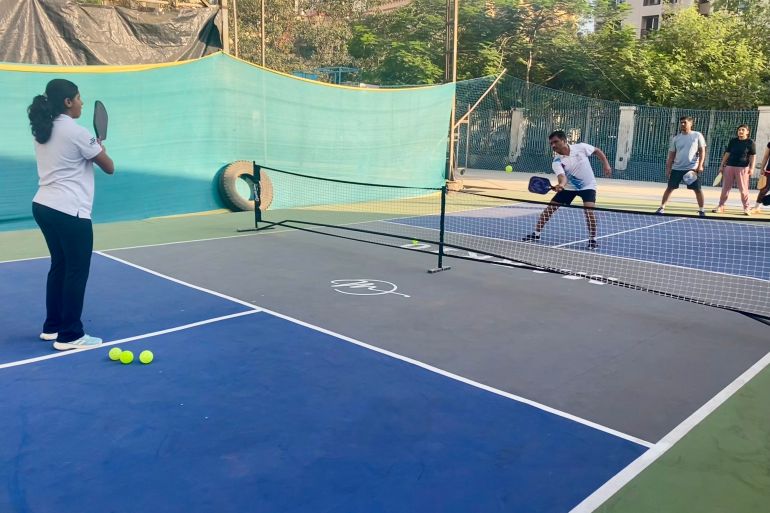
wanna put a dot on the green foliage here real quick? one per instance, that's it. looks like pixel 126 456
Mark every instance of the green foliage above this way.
pixel 299 36
pixel 405 46
pixel 719 61
pixel 702 62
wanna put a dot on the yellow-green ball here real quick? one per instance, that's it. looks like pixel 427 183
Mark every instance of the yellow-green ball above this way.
pixel 146 356
pixel 115 354
pixel 509 169
pixel 126 357
pixel 415 241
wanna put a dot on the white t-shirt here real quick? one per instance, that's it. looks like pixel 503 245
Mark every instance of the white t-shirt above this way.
pixel 65 168
pixel 577 167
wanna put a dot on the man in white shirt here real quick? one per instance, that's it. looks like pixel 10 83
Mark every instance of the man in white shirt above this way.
pixel 575 178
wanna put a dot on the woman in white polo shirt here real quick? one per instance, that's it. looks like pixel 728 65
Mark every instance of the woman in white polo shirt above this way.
pixel 65 154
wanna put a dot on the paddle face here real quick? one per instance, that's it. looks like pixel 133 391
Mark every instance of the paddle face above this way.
pixel 762 182
pixel 100 121
pixel 539 185
pixel 717 180
pixel 689 177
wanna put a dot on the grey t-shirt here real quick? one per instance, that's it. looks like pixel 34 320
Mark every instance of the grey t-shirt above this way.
pixel 686 148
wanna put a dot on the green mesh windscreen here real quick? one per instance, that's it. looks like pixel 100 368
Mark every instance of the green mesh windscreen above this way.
pixel 173 127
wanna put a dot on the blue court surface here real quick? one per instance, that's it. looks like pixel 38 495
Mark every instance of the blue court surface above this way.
pixel 121 301
pixel 716 246
pixel 255 412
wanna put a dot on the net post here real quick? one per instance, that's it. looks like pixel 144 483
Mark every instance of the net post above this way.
pixel 440 267
pixel 256 189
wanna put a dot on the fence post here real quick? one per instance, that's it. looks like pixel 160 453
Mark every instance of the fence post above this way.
pixel 586 135
pixel 710 129
pixel 518 129
pixel 762 135
pixel 625 141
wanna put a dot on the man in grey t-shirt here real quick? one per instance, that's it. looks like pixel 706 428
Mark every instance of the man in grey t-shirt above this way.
pixel 687 152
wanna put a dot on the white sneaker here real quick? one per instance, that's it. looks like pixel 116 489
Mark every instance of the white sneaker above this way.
pixel 81 343
pixel 48 336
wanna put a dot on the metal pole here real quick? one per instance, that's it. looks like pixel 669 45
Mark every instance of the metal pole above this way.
pixel 225 29
pixel 235 25
pixel 262 31
pixel 452 163
pixel 467 114
pixel 454 42
pixel 467 138
pixel 441 235
pixel 448 43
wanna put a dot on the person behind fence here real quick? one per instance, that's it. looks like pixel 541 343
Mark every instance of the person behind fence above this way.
pixel 65 154
pixel 765 167
pixel 575 178
pixel 686 152
pixel 736 168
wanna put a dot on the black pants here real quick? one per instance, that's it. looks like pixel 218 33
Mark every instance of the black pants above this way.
pixel 70 241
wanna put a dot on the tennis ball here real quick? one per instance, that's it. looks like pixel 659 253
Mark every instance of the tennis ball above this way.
pixel 509 168
pixel 126 357
pixel 115 353
pixel 146 356
pixel 415 241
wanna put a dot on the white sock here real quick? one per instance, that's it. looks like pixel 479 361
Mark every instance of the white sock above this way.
pixel 537 232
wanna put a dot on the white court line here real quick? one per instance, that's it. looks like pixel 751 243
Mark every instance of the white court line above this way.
pixel 621 232
pixel 611 487
pixel 70 352
pixel 563 247
pixel 417 363
pixel 287 229
pixel 180 282
pixel 465 380
pixel 23 259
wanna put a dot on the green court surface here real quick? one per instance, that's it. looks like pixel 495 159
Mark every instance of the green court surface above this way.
pixel 720 466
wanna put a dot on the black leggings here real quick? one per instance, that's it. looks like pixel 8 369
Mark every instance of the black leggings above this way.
pixel 70 241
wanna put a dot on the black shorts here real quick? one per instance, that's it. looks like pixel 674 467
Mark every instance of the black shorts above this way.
pixel 676 178
pixel 565 197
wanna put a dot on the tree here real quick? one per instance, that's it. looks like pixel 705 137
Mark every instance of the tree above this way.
pixel 516 34
pixel 544 33
pixel 702 62
pixel 405 46
pixel 600 60
pixel 300 35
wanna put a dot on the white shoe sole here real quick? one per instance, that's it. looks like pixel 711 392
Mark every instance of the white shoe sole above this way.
pixel 48 336
pixel 67 346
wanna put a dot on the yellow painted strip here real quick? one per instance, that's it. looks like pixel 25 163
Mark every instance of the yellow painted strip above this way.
pixel 54 68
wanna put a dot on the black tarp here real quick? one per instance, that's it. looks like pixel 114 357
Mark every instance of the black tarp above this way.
pixel 67 33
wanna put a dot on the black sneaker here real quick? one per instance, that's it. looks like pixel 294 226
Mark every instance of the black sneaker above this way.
pixel 592 244
pixel 532 237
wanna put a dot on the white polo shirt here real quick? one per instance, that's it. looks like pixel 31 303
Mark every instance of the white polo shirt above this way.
pixel 65 168
pixel 577 167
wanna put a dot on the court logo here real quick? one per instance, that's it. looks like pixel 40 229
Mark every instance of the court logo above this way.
pixel 365 287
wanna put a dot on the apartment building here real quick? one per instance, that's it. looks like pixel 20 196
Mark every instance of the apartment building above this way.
pixel 647 15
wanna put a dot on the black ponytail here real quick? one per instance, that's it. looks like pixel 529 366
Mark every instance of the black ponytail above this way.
pixel 45 108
